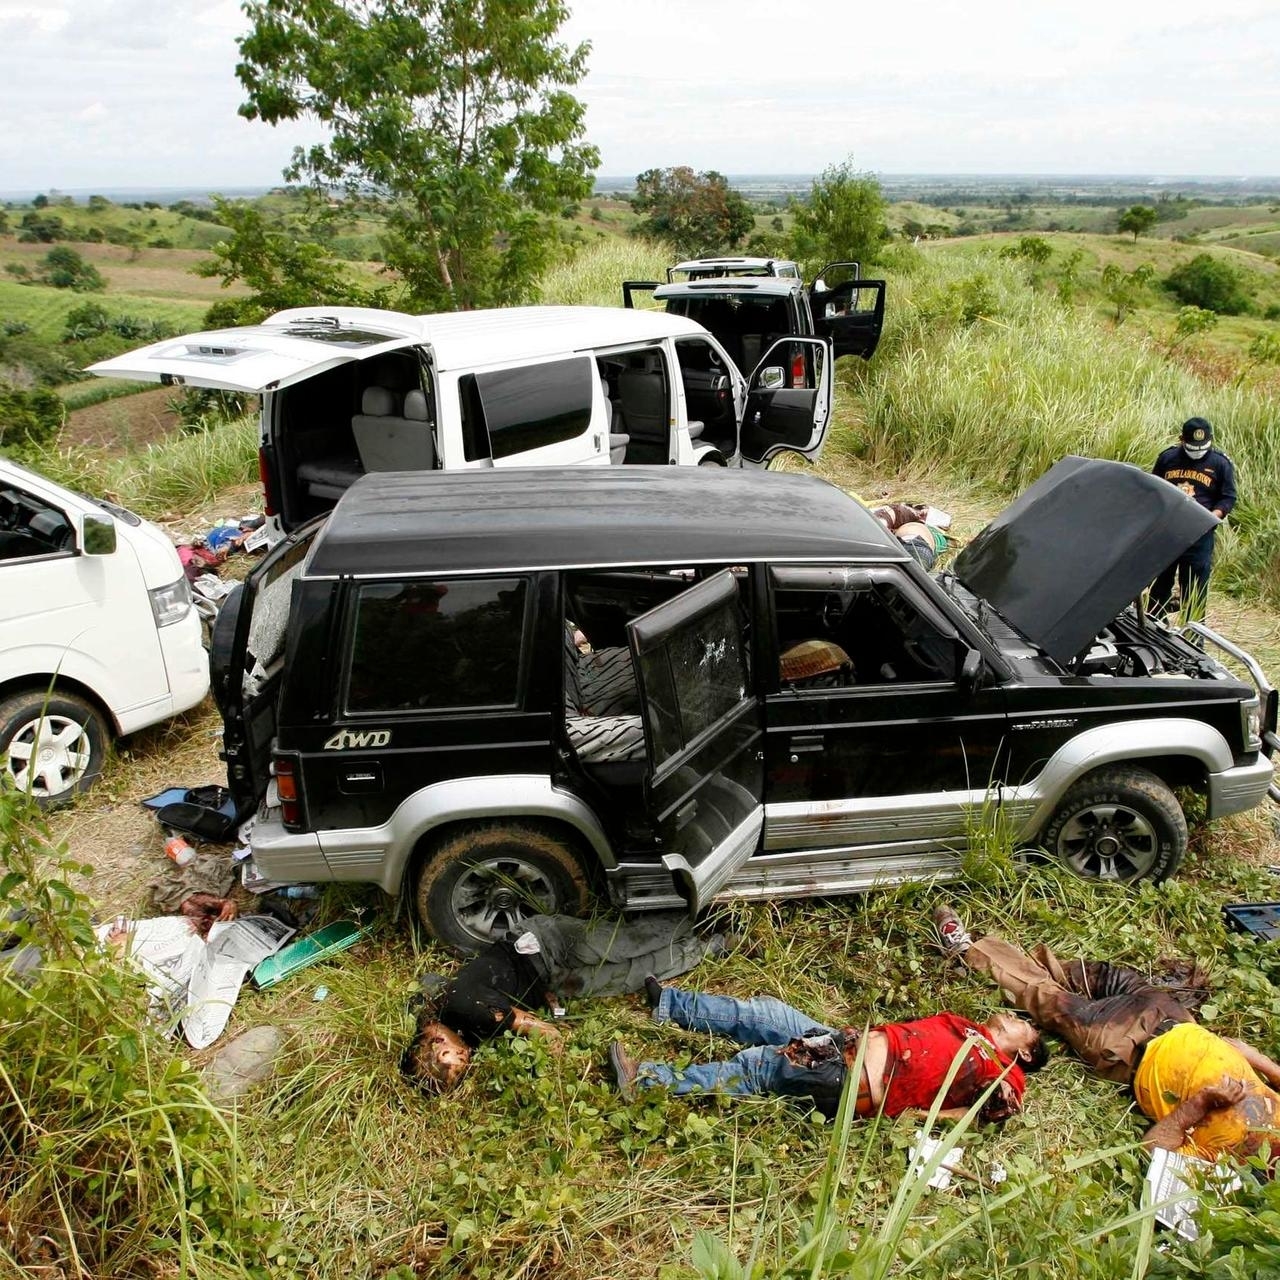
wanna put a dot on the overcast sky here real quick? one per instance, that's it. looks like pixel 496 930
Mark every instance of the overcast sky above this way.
pixel 111 93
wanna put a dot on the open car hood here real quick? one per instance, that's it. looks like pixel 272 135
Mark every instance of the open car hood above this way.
pixel 1075 548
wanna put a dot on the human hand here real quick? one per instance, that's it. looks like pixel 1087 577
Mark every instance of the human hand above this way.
pixel 1227 1093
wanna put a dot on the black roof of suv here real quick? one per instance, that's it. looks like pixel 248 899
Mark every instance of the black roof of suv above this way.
pixel 478 521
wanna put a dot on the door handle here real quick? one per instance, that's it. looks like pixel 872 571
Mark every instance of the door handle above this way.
pixel 806 744
pixel 686 814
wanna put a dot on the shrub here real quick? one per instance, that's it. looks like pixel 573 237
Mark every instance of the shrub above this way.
pixel 113 1161
pixel 28 418
pixel 85 321
pixel 64 268
pixel 1209 283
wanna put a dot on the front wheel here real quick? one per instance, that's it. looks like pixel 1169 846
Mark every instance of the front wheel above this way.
pixel 483 880
pixel 51 744
pixel 1118 824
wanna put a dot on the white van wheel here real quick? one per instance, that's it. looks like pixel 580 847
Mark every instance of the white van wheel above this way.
pixel 52 746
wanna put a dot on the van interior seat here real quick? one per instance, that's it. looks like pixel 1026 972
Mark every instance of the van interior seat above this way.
pixel 390 442
pixel 642 397
pixel 330 477
pixel 618 438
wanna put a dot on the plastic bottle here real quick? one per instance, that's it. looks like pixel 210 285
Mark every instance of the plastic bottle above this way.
pixel 178 850
pixel 300 891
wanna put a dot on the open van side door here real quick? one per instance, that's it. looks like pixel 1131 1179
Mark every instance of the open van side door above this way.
pixel 788 401
pixel 851 314
pixel 632 288
pixel 703 732
pixel 246 660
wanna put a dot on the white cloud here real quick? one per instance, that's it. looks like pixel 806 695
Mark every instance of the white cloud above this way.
pixel 100 92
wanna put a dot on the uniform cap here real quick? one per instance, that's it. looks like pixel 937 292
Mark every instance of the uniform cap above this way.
pixel 1197 431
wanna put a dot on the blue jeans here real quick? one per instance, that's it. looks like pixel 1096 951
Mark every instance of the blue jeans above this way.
pixel 763 1023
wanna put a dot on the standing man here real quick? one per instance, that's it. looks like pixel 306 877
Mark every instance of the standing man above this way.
pixel 1207 475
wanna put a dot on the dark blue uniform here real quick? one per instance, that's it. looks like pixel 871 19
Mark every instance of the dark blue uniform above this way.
pixel 1211 481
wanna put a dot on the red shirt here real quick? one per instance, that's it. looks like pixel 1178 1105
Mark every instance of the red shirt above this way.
pixel 920 1054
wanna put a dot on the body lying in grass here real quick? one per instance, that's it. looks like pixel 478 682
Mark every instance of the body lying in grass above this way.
pixel 549 961
pixel 904 1064
pixel 1206 1094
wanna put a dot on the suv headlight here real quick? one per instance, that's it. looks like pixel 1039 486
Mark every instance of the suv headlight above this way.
pixel 172 603
pixel 1251 722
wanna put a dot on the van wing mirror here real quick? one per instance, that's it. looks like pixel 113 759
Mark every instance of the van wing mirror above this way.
pixel 772 378
pixel 99 535
pixel 970 670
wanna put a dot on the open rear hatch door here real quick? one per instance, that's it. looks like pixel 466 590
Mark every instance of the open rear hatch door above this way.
pixel 703 732
pixel 638 295
pixel 289 348
pixel 246 661
pixel 788 401
pixel 1077 547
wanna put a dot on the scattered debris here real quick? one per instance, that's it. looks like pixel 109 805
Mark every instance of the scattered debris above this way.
pixel 327 942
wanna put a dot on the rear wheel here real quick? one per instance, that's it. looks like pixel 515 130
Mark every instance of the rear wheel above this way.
pixel 51 745
pixel 484 880
pixel 1118 824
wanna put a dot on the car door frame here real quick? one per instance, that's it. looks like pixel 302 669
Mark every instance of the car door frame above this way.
pixel 852 332
pixel 705 797
pixel 775 418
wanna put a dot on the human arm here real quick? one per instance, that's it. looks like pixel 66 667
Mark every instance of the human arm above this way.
pixel 1171 1132
pixel 525 1024
pixel 1266 1067
pixel 1226 500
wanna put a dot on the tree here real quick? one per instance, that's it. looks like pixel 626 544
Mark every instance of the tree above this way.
pixel 64 268
pixel 1138 218
pixel 455 112
pixel 281 269
pixel 1210 283
pixel 696 213
pixel 40 202
pixel 1124 289
pixel 1190 323
pixel 843 218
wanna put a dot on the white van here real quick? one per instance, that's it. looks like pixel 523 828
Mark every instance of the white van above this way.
pixel 97 633
pixel 350 390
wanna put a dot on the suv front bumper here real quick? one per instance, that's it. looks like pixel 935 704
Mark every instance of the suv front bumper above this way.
pixel 1235 790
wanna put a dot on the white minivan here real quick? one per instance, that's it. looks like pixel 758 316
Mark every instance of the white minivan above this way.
pixel 349 390
pixel 98 636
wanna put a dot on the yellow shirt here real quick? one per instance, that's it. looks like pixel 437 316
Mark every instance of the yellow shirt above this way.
pixel 1182 1061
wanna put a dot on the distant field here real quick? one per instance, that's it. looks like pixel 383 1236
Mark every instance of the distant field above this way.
pixel 153 273
pixel 45 309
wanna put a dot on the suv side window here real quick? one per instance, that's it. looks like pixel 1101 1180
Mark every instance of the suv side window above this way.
pixel 843 626
pixel 436 646
pixel 511 411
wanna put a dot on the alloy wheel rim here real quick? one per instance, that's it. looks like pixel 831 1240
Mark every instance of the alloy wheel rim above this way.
pixel 49 755
pixel 1109 842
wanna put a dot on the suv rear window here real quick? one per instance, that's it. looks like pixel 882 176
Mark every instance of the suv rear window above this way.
pixel 437 645
pixel 511 411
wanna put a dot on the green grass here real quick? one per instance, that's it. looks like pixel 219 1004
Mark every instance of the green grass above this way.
pixel 45 309
pixel 81 395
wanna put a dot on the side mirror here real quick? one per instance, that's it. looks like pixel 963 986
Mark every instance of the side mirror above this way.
pixel 99 535
pixel 772 378
pixel 971 670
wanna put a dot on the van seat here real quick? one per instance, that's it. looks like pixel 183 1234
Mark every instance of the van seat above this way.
pixel 642 397
pixel 388 442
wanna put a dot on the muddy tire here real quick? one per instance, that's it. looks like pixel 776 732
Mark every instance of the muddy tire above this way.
pixel 52 745
pixel 482 880
pixel 1118 824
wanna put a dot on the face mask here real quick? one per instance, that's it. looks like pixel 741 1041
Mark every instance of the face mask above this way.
pixel 1197 453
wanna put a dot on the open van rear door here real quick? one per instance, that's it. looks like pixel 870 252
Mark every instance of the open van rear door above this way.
pixel 788 401
pixel 264 357
pixel 702 723
pixel 245 662
pixel 851 314
pixel 630 290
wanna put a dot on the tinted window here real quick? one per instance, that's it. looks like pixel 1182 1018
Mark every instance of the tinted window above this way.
pixel 437 645
pixel 526 408
pixel 693 677
pixel 29 526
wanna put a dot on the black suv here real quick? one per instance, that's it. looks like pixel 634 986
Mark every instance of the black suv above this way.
pixel 749 313
pixel 503 692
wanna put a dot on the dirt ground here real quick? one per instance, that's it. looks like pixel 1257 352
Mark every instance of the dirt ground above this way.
pixel 127 422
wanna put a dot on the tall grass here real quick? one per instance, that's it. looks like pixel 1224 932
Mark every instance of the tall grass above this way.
pixel 594 276
pixel 996 382
pixel 175 475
